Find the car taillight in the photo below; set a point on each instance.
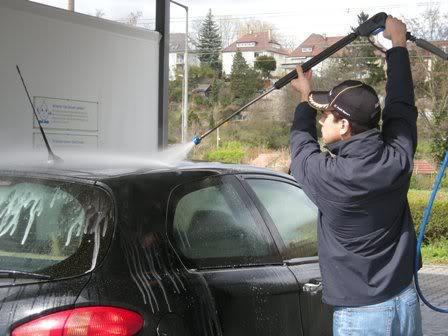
(85, 321)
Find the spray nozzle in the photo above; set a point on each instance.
(197, 140)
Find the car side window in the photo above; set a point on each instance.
(292, 212)
(212, 226)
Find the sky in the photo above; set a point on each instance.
(294, 19)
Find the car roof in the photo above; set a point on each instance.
(104, 169)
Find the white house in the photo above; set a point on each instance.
(252, 46)
(177, 54)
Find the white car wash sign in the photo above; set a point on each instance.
(66, 114)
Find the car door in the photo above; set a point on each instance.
(292, 219)
(219, 234)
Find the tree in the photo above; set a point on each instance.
(244, 81)
(215, 88)
(231, 29)
(99, 13)
(200, 75)
(228, 29)
(361, 62)
(265, 64)
(209, 43)
(430, 75)
(438, 87)
(289, 42)
(238, 73)
(133, 18)
(255, 26)
(431, 25)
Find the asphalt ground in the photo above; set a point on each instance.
(434, 284)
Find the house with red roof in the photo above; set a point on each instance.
(316, 43)
(252, 46)
(423, 167)
(313, 45)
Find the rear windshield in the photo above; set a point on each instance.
(52, 227)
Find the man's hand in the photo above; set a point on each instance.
(395, 31)
(303, 83)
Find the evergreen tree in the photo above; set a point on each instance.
(210, 43)
(215, 88)
(244, 81)
(238, 73)
(361, 62)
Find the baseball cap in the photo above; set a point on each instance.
(352, 100)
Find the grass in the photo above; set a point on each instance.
(436, 253)
(424, 195)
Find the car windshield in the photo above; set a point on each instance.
(43, 223)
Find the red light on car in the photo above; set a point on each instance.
(86, 321)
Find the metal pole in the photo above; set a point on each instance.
(163, 27)
(185, 109)
(184, 118)
(217, 138)
(71, 5)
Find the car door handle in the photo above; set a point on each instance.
(313, 287)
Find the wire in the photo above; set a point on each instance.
(294, 13)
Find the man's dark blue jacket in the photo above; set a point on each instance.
(365, 232)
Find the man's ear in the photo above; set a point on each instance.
(345, 127)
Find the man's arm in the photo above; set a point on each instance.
(399, 114)
(305, 150)
(303, 140)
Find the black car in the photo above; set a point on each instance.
(195, 249)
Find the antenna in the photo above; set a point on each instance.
(52, 158)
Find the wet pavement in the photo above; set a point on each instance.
(434, 284)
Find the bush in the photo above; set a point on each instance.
(437, 228)
(426, 182)
(197, 73)
(199, 100)
(175, 90)
(444, 184)
(265, 64)
(232, 152)
(422, 182)
(259, 133)
(423, 150)
(278, 135)
(225, 96)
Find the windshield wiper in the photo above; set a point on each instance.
(22, 274)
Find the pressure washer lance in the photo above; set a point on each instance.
(372, 26)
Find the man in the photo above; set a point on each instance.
(365, 232)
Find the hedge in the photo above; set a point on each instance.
(231, 152)
(437, 228)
